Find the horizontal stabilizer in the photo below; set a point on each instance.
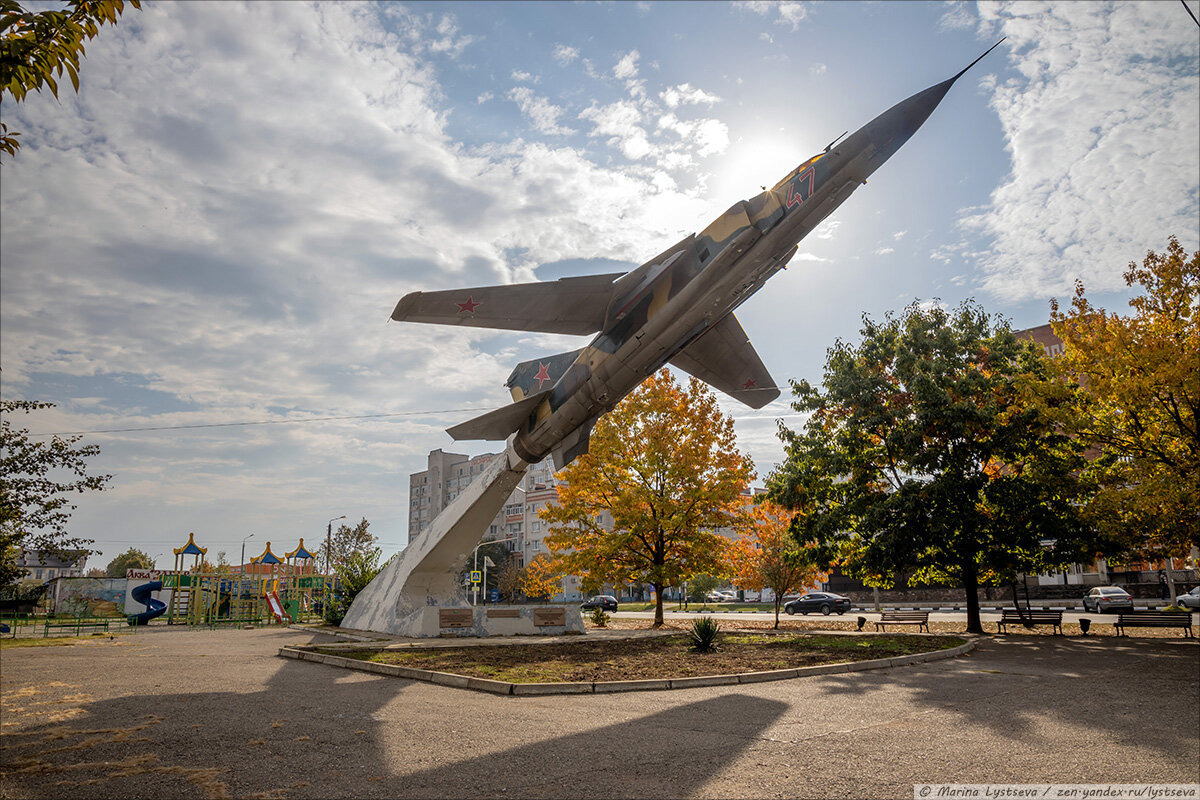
(724, 358)
(497, 425)
(567, 305)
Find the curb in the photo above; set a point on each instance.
(609, 687)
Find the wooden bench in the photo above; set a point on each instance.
(1154, 619)
(1010, 616)
(918, 618)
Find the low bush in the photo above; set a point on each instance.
(703, 635)
(599, 617)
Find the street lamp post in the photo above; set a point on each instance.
(475, 553)
(242, 569)
(328, 542)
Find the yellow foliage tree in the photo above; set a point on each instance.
(1137, 404)
(36, 46)
(664, 463)
(541, 578)
(768, 556)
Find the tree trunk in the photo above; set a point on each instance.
(970, 577)
(658, 604)
(1170, 580)
(778, 599)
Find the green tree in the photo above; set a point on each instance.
(37, 479)
(354, 572)
(37, 46)
(1137, 404)
(699, 586)
(927, 451)
(664, 463)
(130, 559)
(498, 552)
(345, 541)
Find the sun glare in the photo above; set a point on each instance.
(753, 162)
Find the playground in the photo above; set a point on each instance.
(269, 591)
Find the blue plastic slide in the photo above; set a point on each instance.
(154, 608)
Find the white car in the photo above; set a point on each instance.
(1191, 599)
(1106, 598)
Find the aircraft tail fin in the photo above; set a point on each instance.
(530, 377)
(499, 424)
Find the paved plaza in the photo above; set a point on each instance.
(209, 714)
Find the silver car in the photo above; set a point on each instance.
(1102, 599)
(1191, 599)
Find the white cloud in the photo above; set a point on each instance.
(898, 235)
(827, 229)
(786, 12)
(626, 68)
(956, 16)
(483, 98)
(686, 94)
(1101, 87)
(883, 251)
(521, 76)
(817, 69)
(565, 55)
(540, 112)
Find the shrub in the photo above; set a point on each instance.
(599, 617)
(354, 573)
(703, 635)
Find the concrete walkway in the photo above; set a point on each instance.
(177, 713)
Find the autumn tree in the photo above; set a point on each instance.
(96, 572)
(508, 577)
(767, 556)
(344, 542)
(541, 578)
(1138, 405)
(664, 464)
(925, 451)
(130, 559)
(37, 47)
(37, 481)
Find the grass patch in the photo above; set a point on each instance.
(648, 658)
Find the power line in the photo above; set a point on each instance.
(261, 422)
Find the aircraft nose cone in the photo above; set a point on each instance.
(891, 129)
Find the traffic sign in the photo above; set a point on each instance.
(476, 576)
(495, 595)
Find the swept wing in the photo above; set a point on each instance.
(724, 358)
(567, 305)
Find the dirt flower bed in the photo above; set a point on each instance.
(659, 657)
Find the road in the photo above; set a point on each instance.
(987, 615)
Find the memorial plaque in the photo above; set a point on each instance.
(455, 618)
(503, 613)
(547, 617)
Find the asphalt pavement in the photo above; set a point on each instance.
(211, 714)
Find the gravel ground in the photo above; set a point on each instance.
(177, 713)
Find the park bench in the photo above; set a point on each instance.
(1010, 616)
(76, 625)
(918, 618)
(1154, 619)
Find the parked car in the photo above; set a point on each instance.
(720, 596)
(1191, 599)
(604, 601)
(730, 597)
(818, 601)
(1106, 598)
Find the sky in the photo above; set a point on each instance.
(215, 230)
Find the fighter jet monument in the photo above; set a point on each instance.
(677, 308)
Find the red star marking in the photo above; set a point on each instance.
(543, 374)
(750, 384)
(468, 307)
